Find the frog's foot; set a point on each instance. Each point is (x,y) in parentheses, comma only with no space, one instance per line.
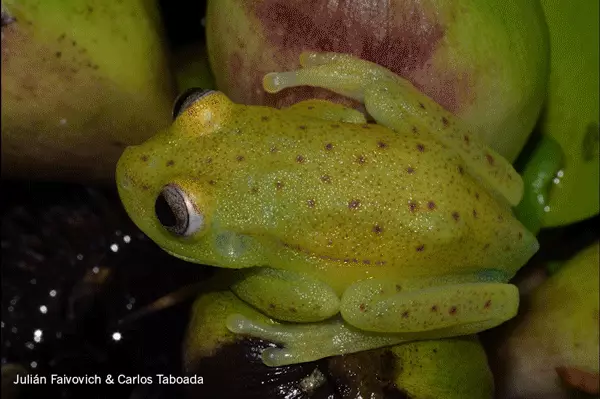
(308,342)
(446,310)
(394,102)
(340,73)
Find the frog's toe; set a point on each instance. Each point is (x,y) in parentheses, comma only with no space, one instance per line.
(274,82)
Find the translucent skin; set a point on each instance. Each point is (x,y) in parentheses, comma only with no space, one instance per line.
(337,210)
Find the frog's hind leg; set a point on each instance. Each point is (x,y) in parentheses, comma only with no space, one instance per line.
(308,342)
(446,310)
(340,73)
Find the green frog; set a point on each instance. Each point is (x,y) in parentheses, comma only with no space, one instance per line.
(349,235)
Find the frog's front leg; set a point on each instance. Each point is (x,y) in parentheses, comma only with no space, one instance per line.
(394,102)
(444,310)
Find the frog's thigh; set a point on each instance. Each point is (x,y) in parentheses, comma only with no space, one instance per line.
(444,310)
(286,295)
(400,106)
(326,110)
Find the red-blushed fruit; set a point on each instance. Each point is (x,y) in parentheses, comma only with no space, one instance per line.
(486,61)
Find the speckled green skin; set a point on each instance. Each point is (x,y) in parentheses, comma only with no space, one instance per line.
(403,219)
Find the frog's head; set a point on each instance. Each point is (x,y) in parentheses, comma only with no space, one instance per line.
(156,181)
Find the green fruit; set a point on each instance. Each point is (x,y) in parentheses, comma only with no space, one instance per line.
(571,115)
(484,60)
(191,68)
(80,81)
(453,368)
(559,330)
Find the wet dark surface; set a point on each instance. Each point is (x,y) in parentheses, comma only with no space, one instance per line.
(73,265)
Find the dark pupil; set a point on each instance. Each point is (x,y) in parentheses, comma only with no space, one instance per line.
(164,213)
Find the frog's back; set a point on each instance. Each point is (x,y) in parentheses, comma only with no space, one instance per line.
(356,196)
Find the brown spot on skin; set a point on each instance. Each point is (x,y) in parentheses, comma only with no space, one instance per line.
(170,162)
(239,158)
(520,235)
(145,187)
(477,196)
(420,147)
(398,288)
(310,107)
(254,190)
(362,307)
(278,185)
(300,159)
(326,179)
(413,206)
(272,306)
(461,170)
(421,105)
(209,160)
(144,158)
(486,246)
(310,203)
(377,229)
(302,127)
(466,139)
(490,159)
(456,216)
(335,126)
(421,248)
(273,150)
(500,218)
(488,304)
(293,309)
(58,54)
(414,130)
(354,204)
(366,262)
(431,205)
(381,145)
(445,121)
(405,314)
(361,160)
(452,310)
(264,118)
(410,170)
(434,308)
(475,213)
(329,146)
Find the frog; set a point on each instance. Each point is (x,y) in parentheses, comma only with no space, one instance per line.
(348,230)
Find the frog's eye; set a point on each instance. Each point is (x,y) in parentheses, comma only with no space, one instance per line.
(176,212)
(187,98)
